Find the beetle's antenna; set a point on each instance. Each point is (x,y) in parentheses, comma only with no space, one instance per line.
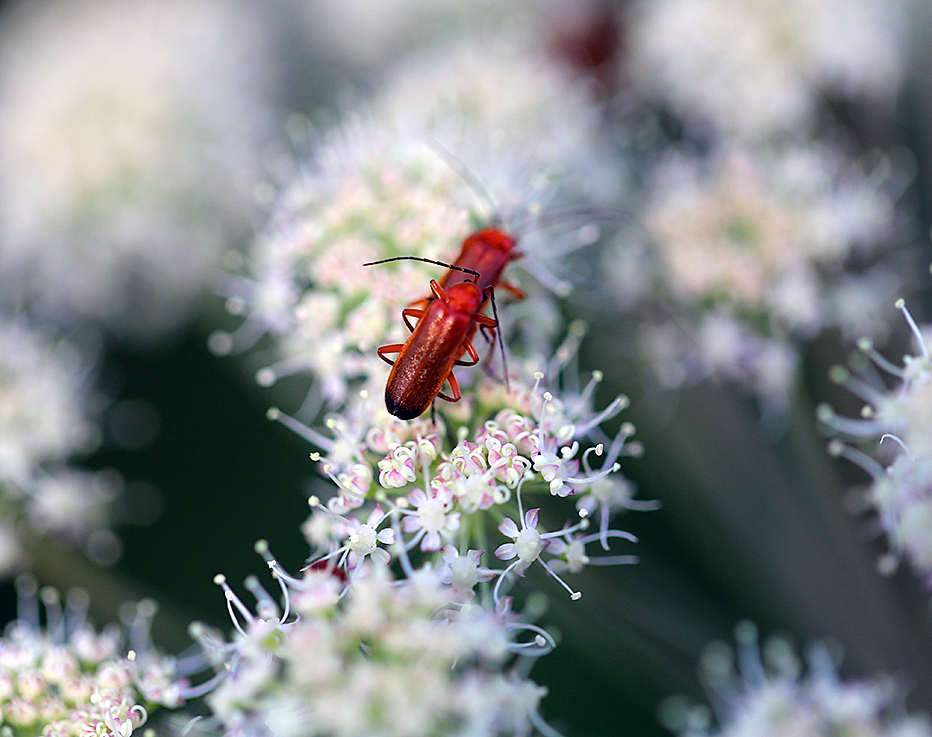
(426,261)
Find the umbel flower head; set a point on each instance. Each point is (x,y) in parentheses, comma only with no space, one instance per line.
(784,56)
(392,657)
(68,680)
(366,198)
(128,135)
(399,179)
(901,419)
(448,488)
(44,422)
(760,241)
(771,695)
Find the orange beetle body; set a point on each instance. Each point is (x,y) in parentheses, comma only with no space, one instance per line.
(447,321)
(436,344)
(482,259)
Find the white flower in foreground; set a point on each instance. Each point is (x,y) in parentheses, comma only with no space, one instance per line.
(44,422)
(397,658)
(68,679)
(901,419)
(771,696)
(129,132)
(758,68)
(450,482)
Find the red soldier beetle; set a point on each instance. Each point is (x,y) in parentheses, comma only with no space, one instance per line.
(449,316)
(442,335)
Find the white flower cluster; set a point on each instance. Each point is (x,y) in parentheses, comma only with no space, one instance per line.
(68,680)
(771,696)
(760,240)
(759,227)
(128,135)
(355,650)
(399,179)
(901,417)
(401,625)
(386,656)
(750,67)
(44,423)
(438,486)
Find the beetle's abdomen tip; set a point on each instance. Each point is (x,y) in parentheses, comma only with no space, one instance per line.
(401,411)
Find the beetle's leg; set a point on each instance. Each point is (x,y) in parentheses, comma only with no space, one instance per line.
(409,312)
(455,395)
(468,347)
(393,348)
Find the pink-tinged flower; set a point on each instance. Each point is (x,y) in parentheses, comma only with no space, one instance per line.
(505,461)
(572,551)
(348,541)
(398,468)
(510,426)
(365,536)
(610,495)
(463,572)
(556,468)
(448,484)
(468,458)
(477,492)
(528,542)
(433,520)
(568,550)
(355,483)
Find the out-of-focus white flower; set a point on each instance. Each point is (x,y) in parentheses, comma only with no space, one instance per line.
(129,134)
(367,33)
(771,696)
(43,396)
(390,657)
(543,140)
(757,68)
(367,196)
(68,679)
(900,418)
(751,229)
(44,422)
(438,153)
(759,241)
